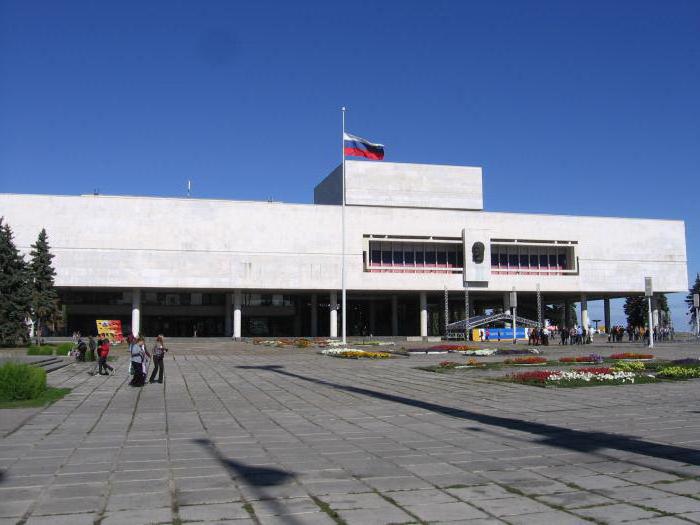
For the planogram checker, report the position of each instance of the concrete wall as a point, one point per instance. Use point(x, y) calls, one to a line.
point(103, 241)
point(403, 185)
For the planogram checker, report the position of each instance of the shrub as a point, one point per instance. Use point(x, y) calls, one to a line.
point(64, 348)
point(19, 381)
point(679, 372)
point(40, 350)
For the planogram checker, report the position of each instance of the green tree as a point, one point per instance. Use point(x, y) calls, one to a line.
point(554, 314)
point(636, 310)
point(45, 309)
point(15, 293)
point(689, 299)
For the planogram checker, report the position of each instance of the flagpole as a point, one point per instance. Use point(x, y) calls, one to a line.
point(342, 264)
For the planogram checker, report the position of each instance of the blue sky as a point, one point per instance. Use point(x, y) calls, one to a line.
point(585, 108)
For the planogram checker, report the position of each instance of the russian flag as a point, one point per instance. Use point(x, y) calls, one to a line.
point(359, 147)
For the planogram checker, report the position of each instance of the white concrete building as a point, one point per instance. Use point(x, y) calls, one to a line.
point(173, 265)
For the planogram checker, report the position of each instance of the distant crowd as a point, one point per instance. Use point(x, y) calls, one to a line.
point(640, 333)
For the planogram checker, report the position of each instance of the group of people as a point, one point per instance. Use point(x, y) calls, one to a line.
point(576, 335)
point(94, 348)
point(639, 333)
point(538, 336)
point(140, 358)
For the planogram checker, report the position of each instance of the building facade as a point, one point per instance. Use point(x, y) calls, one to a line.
point(178, 265)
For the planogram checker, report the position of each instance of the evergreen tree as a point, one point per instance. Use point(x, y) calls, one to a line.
point(45, 309)
point(636, 311)
point(689, 299)
point(15, 292)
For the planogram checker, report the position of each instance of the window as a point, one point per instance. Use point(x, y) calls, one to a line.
point(414, 256)
point(530, 258)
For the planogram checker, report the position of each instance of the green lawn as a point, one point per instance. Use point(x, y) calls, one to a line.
point(50, 395)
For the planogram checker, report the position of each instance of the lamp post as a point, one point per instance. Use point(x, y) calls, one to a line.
point(696, 304)
point(596, 321)
point(514, 306)
point(649, 292)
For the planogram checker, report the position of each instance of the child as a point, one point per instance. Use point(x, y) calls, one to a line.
point(103, 352)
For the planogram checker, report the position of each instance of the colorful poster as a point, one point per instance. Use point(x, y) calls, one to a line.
point(112, 330)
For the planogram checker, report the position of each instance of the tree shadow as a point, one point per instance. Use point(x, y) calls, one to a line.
point(257, 479)
point(555, 436)
point(254, 476)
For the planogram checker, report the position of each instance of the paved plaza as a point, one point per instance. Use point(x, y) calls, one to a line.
point(249, 434)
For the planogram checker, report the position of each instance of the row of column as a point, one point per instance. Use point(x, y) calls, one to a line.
point(234, 302)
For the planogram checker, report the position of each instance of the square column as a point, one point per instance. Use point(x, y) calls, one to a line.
point(334, 315)
point(394, 315)
point(606, 314)
point(228, 319)
point(584, 312)
point(237, 305)
point(135, 311)
point(314, 315)
point(372, 317)
point(423, 314)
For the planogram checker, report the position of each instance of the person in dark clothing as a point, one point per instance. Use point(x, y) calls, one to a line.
point(158, 355)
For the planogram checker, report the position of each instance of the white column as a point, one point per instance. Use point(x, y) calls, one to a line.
point(394, 315)
point(135, 311)
point(606, 315)
point(237, 304)
point(228, 319)
point(334, 314)
point(423, 314)
point(314, 315)
point(584, 312)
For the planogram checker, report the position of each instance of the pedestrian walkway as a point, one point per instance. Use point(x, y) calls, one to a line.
point(248, 434)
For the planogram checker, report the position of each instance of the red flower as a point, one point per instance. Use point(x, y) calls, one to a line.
point(631, 355)
point(536, 376)
point(532, 360)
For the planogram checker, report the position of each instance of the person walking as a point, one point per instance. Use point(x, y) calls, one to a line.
point(103, 352)
point(138, 357)
point(158, 355)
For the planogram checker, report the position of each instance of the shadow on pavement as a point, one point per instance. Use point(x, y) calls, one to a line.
point(254, 476)
point(560, 437)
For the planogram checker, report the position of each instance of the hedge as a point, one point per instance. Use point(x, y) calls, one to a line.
point(40, 350)
point(19, 381)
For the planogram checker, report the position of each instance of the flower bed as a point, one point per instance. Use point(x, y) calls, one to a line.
point(451, 348)
point(679, 372)
point(480, 352)
point(688, 361)
point(591, 376)
point(532, 360)
point(354, 354)
point(592, 358)
point(517, 351)
point(631, 355)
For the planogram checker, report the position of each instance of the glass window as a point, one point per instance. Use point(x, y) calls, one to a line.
point(494, 258)
point(375, 254)
point(543, 261)
point(562, 261)
point(552, 260)
point(512, 258)
point(460, 257)
point(452, 258)
point(524, 259)
point(398, 254)
point(409, 255)
point(420, 255)
point(430, 255)
point(503, 259)
point(441, 256)
point(386, 254)
point(534, 262)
